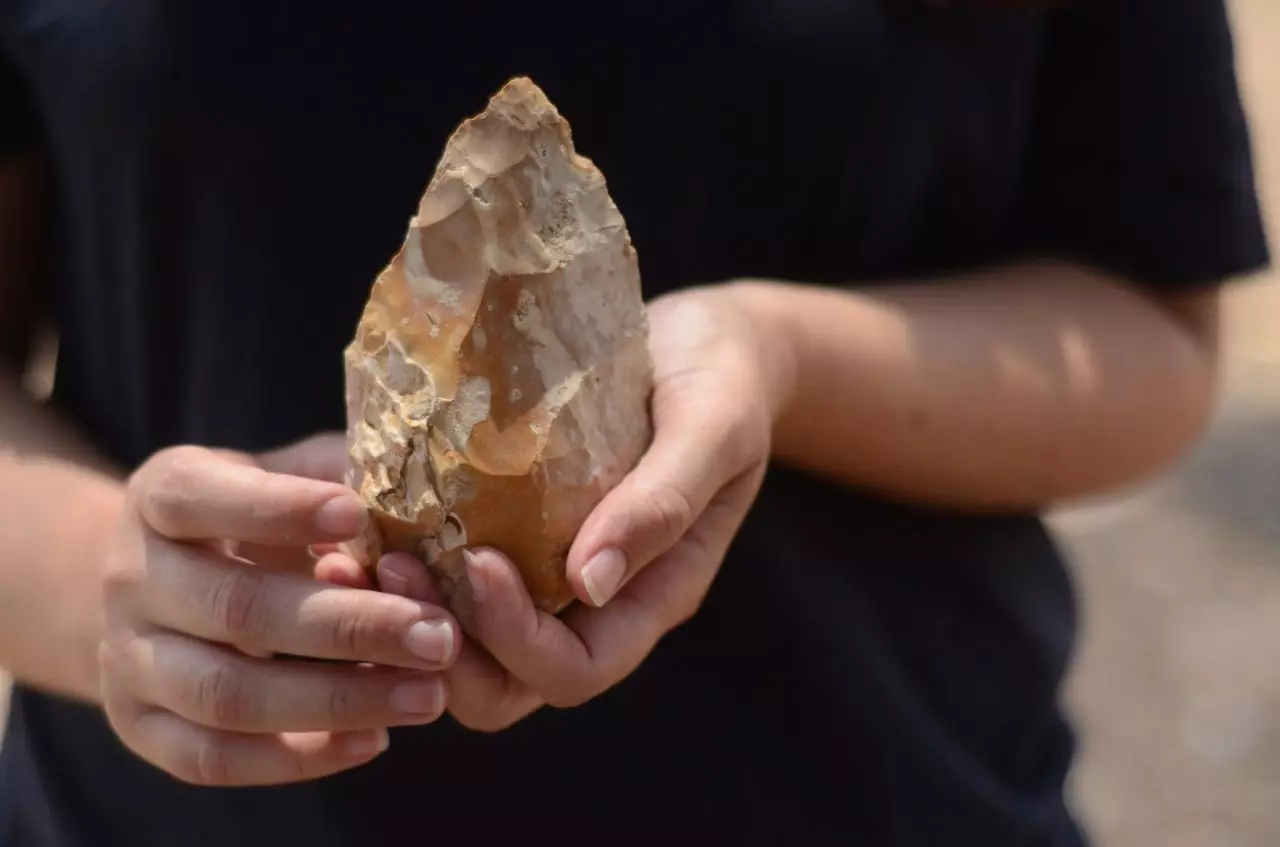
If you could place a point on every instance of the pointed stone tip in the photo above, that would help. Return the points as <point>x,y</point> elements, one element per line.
<point>450,414</point>
<point>522,95</point>
<point>522,88</point>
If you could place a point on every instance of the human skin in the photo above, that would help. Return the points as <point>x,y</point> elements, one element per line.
<point>1006,391</point>
<point>1011,389</point>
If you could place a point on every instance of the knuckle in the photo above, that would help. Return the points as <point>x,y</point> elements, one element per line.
<point>570,690</point>
<point>122,665</point>
<point>571,696</point>
<point>489,714</point>
<point>356,632</point>
<point>238,604</point>
<point>172,485</point>
<point>222,696</point>
<point>123,578</point>
<point>667,510</point>
<point>348,633</point>
<point>686,610</point>
<point>119,579</point>
<point>341,706</point>
<point>206,764</point>
<point>118,704</point>
<point>683,608</point>
<point>488,721</point>
<point>113,662</point>
<point>701,545</point>
<point>744,446</point>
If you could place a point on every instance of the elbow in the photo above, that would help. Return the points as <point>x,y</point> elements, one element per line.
<point>1143,437</point>
<point>1188,412</point>
<point>1196,321</point>
<point>1151,399</point>
<point>1185,392</point>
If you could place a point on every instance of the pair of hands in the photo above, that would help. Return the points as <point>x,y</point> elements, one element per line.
<point>225,594</point>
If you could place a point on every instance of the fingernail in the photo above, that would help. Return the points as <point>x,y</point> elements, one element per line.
<point>431,640</point>
<point>603,575</point>
<point>425,697</point>
<point>342,516</point>
<point>476,577</point>
<point>362,744</point>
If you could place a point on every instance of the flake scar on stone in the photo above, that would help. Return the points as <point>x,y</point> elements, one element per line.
<point>499,378</point>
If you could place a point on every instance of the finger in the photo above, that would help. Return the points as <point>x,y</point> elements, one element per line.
<point>402,574</point>
<point>341,569</point>
<point>189,493</point>
<point>212,757</point>
<point>483,696</point>
<point>670,590</point>
<point>535,647</point>
<point>322,457</point>
<point>655,505</point>
<point>218,688</point>
<point>193,591</point>
<point>571,660</point>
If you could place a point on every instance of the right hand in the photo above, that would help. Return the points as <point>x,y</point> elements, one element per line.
<point>209,575</point>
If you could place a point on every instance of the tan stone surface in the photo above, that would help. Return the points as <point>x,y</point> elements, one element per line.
<point>499,380</point>
<point>1177,687</point>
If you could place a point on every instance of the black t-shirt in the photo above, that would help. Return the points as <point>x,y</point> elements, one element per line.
<point>230,176</point>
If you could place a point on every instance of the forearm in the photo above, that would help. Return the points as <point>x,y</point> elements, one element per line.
<point>62,501</point>
<point>1011,390</point>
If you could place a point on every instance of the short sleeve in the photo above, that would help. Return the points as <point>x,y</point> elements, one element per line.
<point>18,120</point>
<point>1141,161</point>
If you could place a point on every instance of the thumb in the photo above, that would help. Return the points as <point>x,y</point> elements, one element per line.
<point>652,508</point>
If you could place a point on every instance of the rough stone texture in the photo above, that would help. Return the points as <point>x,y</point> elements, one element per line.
<point>498,383</point>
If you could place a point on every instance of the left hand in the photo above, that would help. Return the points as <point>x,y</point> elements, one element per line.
<point>646,556</point>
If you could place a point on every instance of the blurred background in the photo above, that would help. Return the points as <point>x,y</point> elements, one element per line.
<point>1176,687</point>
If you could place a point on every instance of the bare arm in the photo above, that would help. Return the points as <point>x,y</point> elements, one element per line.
<point>1004,391</point>
<point>1009,390</point>
<point>61,499</point>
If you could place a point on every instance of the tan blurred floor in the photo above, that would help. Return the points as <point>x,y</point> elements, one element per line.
<point>1177,688</point>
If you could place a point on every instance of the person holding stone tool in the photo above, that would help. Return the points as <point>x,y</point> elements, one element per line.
<point>915,274</point>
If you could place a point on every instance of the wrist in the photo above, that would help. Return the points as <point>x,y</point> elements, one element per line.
<point>773,338</point>
<point>51,606</point>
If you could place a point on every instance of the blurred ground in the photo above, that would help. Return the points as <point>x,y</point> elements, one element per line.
<point>1177,686</point>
